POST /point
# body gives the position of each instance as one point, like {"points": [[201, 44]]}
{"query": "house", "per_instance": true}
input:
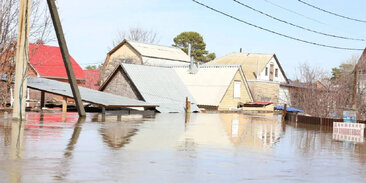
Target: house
{"points": [[91, 79], [216, 87], [142, 53], [264, 74], [46, 62], [361, 74], [152, 84]]}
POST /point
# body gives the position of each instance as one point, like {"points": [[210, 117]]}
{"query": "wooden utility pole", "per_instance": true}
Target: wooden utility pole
{"points": [[20, 83], [66, 57]]}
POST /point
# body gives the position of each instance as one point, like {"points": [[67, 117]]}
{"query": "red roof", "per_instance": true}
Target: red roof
{"points": [[48, 62], [91, 79]]}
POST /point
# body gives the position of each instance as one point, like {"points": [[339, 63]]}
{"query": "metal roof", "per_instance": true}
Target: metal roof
{"points": [[250, 62], [209, 85], [160, 85], [160, 52], [87, 95]]}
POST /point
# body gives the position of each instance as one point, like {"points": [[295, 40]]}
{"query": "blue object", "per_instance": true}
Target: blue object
{"points": [[289, 109]]}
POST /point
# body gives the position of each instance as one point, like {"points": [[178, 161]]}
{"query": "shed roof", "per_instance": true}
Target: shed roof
{"points": [[250, 62], [48, 62], [87, 95], [209, 85], [160, 85]]}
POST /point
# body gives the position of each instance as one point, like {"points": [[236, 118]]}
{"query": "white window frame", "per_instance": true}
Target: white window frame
{"points": [[237, 89]]}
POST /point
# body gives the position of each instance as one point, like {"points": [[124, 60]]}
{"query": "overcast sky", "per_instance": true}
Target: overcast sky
{"points": [[90, 27]]}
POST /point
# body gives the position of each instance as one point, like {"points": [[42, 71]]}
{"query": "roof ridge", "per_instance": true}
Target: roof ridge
{"points": [[152, 44], [209, 66]]}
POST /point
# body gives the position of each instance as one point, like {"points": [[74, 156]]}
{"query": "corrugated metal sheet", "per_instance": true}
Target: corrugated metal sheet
{"points": [[161, 62], [250, 62], [87, 95], [160, 85], [209, 84], [160, 52]]}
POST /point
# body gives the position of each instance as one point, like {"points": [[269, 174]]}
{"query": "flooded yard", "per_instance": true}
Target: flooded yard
{"points": [[171, 148]]}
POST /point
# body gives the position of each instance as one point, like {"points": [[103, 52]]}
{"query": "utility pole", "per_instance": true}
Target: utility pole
{"points": [[66, 57], [20, 83]]}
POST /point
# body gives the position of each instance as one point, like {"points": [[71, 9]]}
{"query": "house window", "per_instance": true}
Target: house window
{"points": [[237, 89], [266, 71], [276, 72]]}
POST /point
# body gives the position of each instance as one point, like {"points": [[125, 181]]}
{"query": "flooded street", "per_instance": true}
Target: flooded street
{"points": [[165, 148]]}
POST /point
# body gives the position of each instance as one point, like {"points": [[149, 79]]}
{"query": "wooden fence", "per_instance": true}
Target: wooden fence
{"points": [[314, 120]]}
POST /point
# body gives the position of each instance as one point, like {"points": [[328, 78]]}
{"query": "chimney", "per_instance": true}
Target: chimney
{"points": [[189, 50], [240, 50], [192, 67]]}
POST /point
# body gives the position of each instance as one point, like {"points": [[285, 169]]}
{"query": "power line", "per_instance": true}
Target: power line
{"points": [[329, 12], [294, 12], [295, 25], [274, 32]]}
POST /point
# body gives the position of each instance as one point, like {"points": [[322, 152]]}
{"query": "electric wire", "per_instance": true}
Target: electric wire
{"points": [[274, 32], [295, 25], [294, 12], [329, 12]]}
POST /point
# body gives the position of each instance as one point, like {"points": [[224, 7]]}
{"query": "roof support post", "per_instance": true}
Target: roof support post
{"points": [[66, 57]]}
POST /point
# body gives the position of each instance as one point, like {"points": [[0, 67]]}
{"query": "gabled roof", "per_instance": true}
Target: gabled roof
{"points": [[211, 82], [91, 79], [250, 62], [159, 85], [153, 51], [48, 62]]}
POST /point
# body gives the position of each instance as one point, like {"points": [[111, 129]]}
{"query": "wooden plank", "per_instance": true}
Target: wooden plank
{"points": [[66, 57]]}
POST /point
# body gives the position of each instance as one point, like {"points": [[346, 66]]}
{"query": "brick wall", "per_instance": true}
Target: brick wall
{"points": [[119, 84], [265, 91]]}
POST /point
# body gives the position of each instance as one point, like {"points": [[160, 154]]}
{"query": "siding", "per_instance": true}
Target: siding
{"points": [[228, 101], [121, 85], [265, 91]]}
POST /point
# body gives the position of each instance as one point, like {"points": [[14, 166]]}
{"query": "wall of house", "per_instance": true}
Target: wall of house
{"points": [[265, 91], [284, 96], [121, 85], [124, 52], [228, 101], [280, 78]]}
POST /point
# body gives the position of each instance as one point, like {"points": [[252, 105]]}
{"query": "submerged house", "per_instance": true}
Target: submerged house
{"points": [[144, 54], [46, 62], [152, 84], [216, 87], [264, 74]]}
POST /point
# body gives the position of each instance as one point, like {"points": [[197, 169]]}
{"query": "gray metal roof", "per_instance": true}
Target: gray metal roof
{"points": [[160, 85], [87, 95], [154, 51]]}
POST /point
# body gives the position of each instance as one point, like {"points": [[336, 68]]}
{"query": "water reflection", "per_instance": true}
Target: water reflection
{"points": [[258, 132], [174, 148], [64, 167], [117, 133]]}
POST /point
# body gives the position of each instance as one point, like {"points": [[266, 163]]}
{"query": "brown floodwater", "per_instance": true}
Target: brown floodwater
{"points": [[53, 147]]}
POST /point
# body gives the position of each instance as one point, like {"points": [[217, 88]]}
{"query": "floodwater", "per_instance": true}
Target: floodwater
{"points": [[172, 148]]}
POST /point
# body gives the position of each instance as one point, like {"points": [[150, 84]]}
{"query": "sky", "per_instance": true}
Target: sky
{"points": [[90, 26]]}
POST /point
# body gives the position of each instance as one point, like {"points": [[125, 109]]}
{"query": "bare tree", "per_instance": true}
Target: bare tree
{"points": [[40, 30], [318, 95], [136, 34]]}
